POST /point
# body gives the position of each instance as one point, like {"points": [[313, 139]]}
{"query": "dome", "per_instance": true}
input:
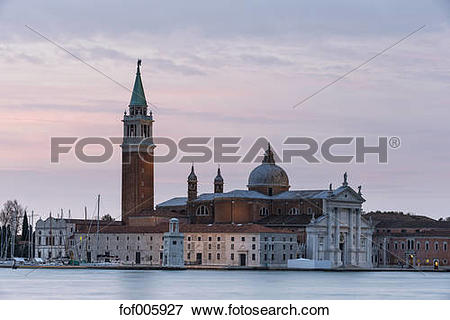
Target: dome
{"points": [[268, 173]]}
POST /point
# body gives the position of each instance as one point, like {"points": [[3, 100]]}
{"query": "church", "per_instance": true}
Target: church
{"points": [[265, 224], [327, 223]]}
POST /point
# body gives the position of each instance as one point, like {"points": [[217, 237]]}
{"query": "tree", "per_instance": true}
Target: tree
{"points": [[12, 214], [107, 217], [25, 228]]}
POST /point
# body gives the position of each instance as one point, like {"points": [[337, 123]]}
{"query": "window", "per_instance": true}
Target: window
{"points": [[418, 245], [427, 246], [232, 246], [199, 238], [209, 246], [253, 238], [253, 246], [189, 246], [253, 256], [209, 256], [173, 242], [263, 212], [218, 256], [273, 256], [403, 245], [294, 212], [189, 256], [232, 238], [290, 256], [218, 246], [279, 211], [243, 238], [445, 246], [232, 256], [436, 246], [218, 238], [202, 211], [270, 191], [265, 257], [395, 245], [309, 210], [209, 238], [284, 257]]}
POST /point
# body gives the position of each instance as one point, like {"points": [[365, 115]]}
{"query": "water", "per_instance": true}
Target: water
{"points": [[205, 284]]}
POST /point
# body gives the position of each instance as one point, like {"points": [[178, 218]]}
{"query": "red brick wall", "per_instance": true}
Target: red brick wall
{"points": [[137, 183]]}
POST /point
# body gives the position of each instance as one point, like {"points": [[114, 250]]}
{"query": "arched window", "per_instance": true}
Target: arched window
{"points": [[445, 246], [309, 210], [294, 212], [202, 211], [436, 246], [427, 245], [418, 245], [263, 212]]}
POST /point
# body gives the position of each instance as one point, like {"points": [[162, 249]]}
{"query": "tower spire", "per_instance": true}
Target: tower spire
{"points": [[218, 182], [138, 95]]}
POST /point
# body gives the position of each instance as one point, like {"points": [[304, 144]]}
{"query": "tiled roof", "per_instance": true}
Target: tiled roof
{"points": [[401, 220], [174, 202]]}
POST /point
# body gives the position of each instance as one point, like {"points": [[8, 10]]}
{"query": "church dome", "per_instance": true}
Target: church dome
{"points": [[268, 173]]}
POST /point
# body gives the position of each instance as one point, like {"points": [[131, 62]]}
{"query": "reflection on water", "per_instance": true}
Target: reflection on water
{"points": [[202, 284]]}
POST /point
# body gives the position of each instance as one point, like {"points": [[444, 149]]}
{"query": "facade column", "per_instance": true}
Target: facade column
{"points": [[329, 233], [384, 251], [336, 236], [351, 233], [358, 235]]}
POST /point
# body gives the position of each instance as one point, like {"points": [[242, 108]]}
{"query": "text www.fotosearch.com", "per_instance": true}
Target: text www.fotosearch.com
{"points": [[229, 310]]}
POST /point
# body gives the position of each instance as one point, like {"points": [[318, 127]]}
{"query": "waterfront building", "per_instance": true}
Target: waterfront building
{"points": [[213, 245], [409, 240], [54, 237]]}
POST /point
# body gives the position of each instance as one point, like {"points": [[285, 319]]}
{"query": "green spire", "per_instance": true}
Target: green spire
{"points": [[138, 96]]}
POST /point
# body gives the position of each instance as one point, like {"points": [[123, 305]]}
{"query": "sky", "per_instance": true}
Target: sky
{"points": [[226, 68]]}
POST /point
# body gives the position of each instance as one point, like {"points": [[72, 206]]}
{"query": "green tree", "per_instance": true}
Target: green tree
{"points": [[25, 228]]}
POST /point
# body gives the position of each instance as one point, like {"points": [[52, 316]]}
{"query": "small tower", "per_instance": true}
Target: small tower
{"points": [[137, 153], [173, 253], [192, 185], [218, 182]]}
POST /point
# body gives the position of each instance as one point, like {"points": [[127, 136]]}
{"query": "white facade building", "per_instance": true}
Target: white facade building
{"points": [[341, 235]]}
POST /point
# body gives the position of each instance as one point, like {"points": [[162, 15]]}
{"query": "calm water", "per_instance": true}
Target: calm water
{"points": [[191, 284]]}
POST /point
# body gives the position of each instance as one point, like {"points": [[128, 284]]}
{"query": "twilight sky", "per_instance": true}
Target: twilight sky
{"points": [[226, 68]]}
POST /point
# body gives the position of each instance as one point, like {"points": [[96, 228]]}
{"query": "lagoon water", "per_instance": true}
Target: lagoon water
{"points": [[205, 284]]}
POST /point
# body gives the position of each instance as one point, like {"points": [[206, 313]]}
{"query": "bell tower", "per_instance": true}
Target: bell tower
{"points": [[192, 185], [137, 154]]}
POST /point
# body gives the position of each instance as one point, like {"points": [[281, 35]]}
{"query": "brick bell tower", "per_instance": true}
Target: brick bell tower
{"points": [[137, 154]]}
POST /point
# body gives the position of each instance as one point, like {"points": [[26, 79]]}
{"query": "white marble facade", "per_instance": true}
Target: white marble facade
{"points": [[341, 235]]}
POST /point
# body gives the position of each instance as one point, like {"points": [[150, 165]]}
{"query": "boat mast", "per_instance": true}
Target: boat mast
{"points": [[31, 239], [13, 235], [98, 223]]}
